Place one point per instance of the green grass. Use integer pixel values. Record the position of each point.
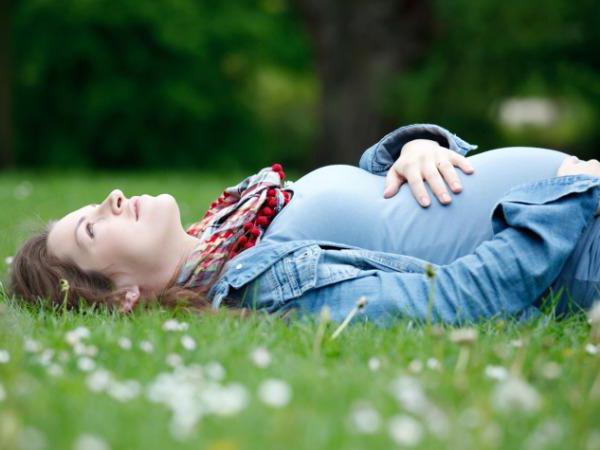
(49, 404)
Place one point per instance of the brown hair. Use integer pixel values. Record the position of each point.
(36, 277)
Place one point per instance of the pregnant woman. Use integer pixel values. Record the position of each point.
(333, 237)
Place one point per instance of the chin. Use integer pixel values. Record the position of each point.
(168, 201)
(169, 206)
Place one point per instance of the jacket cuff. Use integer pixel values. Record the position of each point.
(546, 191)
(380, 157)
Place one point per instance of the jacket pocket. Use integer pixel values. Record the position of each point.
(305, 269)
(288, 278)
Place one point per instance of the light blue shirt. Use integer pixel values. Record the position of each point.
(345, 204)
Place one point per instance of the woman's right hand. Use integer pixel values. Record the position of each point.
(575, 166)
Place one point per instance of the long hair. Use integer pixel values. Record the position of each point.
(36, 276)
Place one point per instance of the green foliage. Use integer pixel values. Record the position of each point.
(166, 82)
(487, 51)
(198, 83)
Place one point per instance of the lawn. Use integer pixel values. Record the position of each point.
(174, 380)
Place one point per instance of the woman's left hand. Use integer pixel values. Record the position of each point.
(425, 160)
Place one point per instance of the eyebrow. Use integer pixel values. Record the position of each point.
(79, 222)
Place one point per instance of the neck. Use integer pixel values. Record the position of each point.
(171, 262)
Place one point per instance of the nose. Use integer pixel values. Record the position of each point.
(115, 201)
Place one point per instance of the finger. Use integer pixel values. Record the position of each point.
(448, 171)
(417, 186)
(462, 162)
(436, 183)
(393, 181)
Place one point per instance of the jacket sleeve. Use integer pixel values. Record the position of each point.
(380, 157)
(536, 228)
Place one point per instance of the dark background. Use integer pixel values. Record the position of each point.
(242, 83)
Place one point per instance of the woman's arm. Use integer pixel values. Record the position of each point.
(415, 153)
(379, 158)
(536, 227)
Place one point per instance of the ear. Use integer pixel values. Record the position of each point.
(132, 296)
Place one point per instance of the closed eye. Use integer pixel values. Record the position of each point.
(90, 230)
(89, 227)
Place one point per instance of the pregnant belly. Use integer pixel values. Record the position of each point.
(345, 204)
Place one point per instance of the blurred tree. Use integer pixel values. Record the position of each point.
(488, 51)
(6, 154)
(162, 84)
(195, 83)
(359, 46)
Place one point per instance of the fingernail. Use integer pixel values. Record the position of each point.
(424, 201)
(445, 198)
(456, 186)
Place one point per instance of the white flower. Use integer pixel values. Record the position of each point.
(463, 336)
(90, 442)
(214, 371)
(515, 394)
(188, 342)
(405, 431)
(74, 336)
(99, 380)
(594, 314)
(364, 419)
(146, 346)
(551, 370)
(8, 260)
(124, 391)
(498, 373)
(190, 396)
(4, 356)
(591, 349)
(274, 392)
(410, 394)
(45, 357)
(174, 325)
(517, 343)
(54, 370)
(174, 360)
(433, 364)
(86, 364)
(415, 366)
(225, 400)
(2, 393)
(374, 364)
(31, 345)
(124, 343)
(81, 349)
(261, 357)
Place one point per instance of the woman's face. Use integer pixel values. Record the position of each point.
(118, 236)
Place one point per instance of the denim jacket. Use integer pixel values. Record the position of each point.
(536, 227)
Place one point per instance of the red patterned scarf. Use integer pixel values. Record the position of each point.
(234, 222)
